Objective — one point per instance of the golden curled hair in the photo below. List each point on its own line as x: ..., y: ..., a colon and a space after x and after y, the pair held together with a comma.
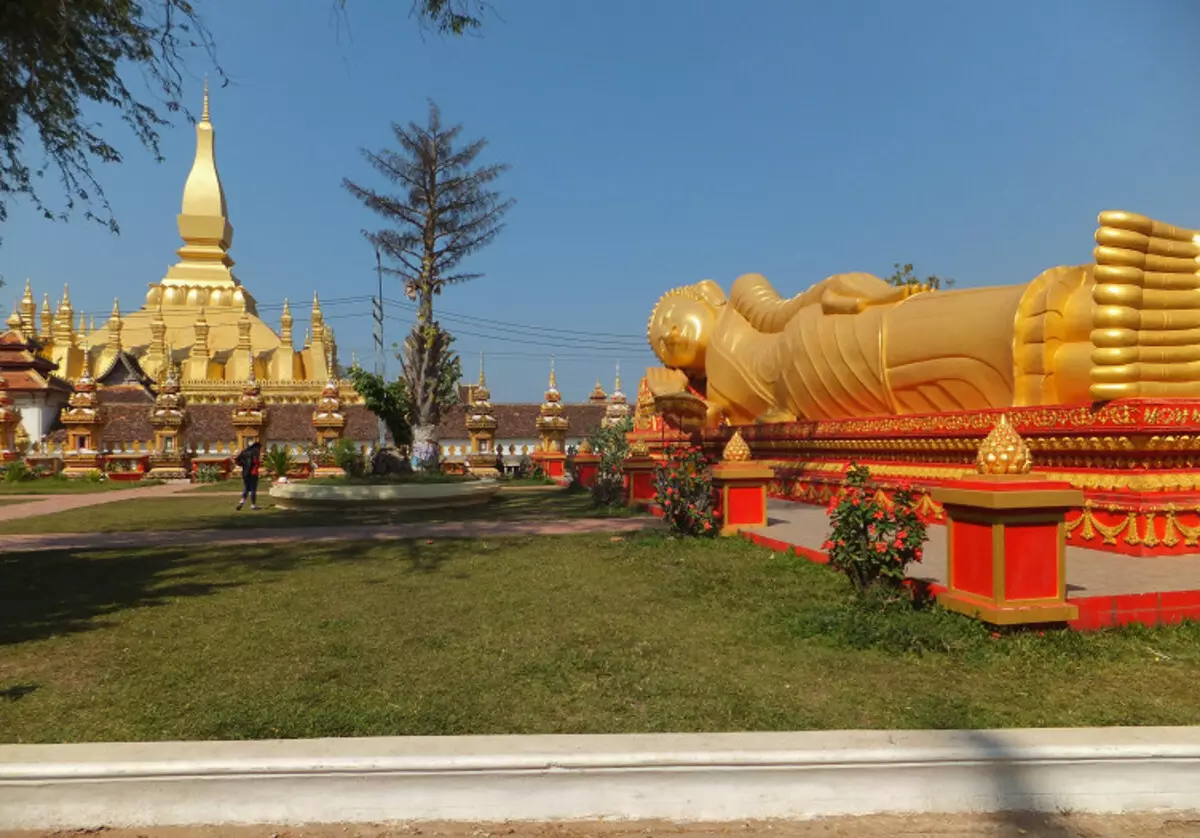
x: 705, y: 291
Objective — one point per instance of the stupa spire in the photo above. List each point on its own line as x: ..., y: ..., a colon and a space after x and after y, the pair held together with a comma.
x: 203, y: 219
x: 482, y: 380
x: 285, y: 326
x: 47, y: 330
x: 28, y: 311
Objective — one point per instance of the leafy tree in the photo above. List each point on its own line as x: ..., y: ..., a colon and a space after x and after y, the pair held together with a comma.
x: 390, y: 402
x: 55, y: 57
x: 903, y: 276
x: 612, y: 445
x: 444, y: 211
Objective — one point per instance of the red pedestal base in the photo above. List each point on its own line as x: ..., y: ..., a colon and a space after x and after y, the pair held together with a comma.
x: 586, y: 466
x: 741, y: 490
x: 552, y: 463
x: 1007, y: 549
x: 639, y: 480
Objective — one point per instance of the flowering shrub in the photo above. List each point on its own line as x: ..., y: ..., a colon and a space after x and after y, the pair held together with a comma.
x: 871, y: 541
x: 683, y: 490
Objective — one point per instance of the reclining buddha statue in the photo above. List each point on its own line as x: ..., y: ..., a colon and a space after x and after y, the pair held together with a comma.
x: 854, y: 345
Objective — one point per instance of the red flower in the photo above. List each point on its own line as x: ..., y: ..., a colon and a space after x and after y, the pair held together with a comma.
x: 878, y: 516
x: 827, y: 546
x: 880, y: 547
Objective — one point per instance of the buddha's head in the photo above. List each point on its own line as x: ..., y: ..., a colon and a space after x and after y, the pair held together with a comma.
x: 682, y: 323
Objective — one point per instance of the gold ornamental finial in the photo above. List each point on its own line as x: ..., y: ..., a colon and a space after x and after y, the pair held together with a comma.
x: 585, y: 447
x: 28, y: 291
x: 14, y: 319
x: 482, y: 380
x: 204, y: 110
x: 553, y: 380
x: 1003, y: 451
x: 736, y: 450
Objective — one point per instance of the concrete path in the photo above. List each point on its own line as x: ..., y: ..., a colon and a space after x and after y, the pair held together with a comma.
x: 280, y: 535
x: 1089, y: 572
x: 53, y: 504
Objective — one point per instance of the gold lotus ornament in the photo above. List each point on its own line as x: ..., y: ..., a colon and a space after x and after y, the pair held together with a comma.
x: 1003, y: 451
x: 736, y: 450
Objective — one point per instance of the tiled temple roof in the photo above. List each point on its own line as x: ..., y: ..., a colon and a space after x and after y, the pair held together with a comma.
x: 517, y: 421
x: 127, y: 419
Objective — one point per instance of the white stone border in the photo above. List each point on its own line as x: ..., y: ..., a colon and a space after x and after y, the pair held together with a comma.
x: 683, y: 777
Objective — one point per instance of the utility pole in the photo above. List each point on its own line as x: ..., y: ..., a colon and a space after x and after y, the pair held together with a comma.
x: 380, y: 356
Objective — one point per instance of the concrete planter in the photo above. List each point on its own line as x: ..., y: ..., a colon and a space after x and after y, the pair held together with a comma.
x: 399, y: 495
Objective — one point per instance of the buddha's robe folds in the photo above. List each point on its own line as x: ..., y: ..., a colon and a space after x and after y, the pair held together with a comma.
x: 848, y: 348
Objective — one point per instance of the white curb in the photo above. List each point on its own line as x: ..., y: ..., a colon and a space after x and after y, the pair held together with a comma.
x: 682, y: 777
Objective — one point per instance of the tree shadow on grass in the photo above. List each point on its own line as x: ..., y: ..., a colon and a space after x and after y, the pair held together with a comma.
x: 51, y: 593
x: 47, y: 594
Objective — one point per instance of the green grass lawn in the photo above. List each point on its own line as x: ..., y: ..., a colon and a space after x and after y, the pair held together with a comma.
x: 215, y: 510
x: 55, y: 486
x: 566, y: 635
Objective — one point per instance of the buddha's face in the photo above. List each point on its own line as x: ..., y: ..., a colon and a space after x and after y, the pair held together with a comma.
x: 680, y: 331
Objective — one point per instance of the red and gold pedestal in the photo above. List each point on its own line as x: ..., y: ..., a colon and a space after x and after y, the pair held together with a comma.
x: 741, y: 490
x: 586, y: 467
x: 1006, y: 542
x: 639, y: 479
x: 552, y: 463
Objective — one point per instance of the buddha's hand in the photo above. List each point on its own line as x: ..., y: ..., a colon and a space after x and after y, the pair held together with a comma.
x: 665, y: 382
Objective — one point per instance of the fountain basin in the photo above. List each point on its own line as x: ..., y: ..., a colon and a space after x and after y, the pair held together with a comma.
x: 304, y: 495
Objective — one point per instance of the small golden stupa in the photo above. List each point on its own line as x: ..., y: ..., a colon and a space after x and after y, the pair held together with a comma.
x: 1003, y: 452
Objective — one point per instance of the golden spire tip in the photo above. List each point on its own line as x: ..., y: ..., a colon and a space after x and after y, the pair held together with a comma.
x: 204, y: 111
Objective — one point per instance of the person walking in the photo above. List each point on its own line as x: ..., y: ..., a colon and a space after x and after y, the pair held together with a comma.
x: 249, y: 461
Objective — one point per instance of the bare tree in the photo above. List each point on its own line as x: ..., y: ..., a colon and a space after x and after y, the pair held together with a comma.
x: 445, y: 210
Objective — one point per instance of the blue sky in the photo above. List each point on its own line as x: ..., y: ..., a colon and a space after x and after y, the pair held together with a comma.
x: 659, y: 142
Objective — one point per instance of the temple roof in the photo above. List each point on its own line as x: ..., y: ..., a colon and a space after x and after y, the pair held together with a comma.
x: 518, y: 421
x: 24, y: 369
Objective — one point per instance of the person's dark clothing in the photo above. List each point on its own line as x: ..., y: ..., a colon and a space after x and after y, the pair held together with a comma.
x: 249, y: 461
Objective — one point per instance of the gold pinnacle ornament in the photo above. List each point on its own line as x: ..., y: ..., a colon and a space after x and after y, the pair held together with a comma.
x: 1003, y: 451
x: 736, y: 450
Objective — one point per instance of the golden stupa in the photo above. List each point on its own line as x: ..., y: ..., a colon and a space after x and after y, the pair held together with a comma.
x: 198, y: 318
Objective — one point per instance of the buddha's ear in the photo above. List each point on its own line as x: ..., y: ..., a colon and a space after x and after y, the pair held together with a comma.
x: 710, y: 292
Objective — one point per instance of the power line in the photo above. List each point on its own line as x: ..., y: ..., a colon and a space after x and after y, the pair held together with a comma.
x: 449, y: 315
x: 570, y: 343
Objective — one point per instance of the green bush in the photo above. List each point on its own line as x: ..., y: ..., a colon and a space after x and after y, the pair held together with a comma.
x: 278, y: 460
x: 349, y: 458
x: 209, y: 474
x: 18, y: 472
x: 611, y: 445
